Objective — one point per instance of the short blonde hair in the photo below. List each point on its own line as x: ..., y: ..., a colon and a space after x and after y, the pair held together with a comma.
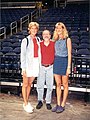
x: 33, y: 24
x: 65, y: 32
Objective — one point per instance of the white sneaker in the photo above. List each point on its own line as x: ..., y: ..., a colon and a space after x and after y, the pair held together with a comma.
x: 27, y: 108
x: 30, y: 106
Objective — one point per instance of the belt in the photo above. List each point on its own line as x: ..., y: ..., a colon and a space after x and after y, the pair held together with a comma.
x: 46, y: 65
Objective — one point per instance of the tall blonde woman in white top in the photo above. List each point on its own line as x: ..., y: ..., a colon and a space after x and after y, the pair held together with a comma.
x: 30, y: 59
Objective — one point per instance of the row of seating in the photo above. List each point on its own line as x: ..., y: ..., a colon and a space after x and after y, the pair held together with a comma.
x: 73, y: 16
x: 13, y: 14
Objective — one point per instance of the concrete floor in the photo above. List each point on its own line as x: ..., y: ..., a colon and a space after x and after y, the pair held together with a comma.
x: 11, y: 109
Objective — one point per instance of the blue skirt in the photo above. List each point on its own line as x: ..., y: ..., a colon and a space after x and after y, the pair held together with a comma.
x: 60, y: 65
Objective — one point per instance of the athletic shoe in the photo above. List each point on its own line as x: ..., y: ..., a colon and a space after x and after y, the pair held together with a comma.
x: 30, y: 106
x: 60, y: 109
x: 55, y: 108
x: 27, y: 108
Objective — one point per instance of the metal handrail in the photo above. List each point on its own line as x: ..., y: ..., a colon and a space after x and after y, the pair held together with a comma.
x: 18, y: 4
x: 33, y: 14
x: 24, y: 20
x: 13, y: 26
x: 3, y: 32
x: 15, y: 74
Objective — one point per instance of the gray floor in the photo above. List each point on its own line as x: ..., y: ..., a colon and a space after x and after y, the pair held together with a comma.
x: 11, y: 109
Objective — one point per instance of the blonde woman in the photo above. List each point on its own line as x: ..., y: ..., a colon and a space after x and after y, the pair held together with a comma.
x: 30, y: 57
x: 62, y: 64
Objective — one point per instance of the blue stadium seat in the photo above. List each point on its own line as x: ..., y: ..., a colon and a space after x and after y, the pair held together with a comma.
x: 74, y: 46
x: 6, y: 44
x: 74, y: 52
x: 86, y: 41
x: 83, y: 52
x: 76, y: 41
x: 84, y: 46
x: 6, y: 49
x: 17, y: 50
x: 16, y: 44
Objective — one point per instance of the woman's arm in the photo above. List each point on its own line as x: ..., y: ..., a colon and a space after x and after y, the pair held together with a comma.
x: 69, y: 48
x: 23, y: 54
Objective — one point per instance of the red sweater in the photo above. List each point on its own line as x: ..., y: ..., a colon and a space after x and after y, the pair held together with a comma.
x: 47, y: 53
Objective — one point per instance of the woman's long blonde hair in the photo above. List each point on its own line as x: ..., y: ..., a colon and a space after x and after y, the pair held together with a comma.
x: 65, y: 32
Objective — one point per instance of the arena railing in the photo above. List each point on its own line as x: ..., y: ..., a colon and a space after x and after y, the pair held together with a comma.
x: 28, y: 18
x: 10, y: 72
x: 18, y: 4
x: 24, y: 20
x: 13, y: 26
x: 80, y: 75
x: 2, y: 33
x: 34, y: 15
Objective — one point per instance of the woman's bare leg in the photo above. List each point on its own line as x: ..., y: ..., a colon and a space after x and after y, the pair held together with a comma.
x: 30, y: 81
x: 65, y: 93
x: 24, y: 89
x: 58, y: 88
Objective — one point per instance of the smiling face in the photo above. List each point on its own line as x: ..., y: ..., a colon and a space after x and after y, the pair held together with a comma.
x: 33, y: 30
x: 46, y: 35
x: 59, y: 30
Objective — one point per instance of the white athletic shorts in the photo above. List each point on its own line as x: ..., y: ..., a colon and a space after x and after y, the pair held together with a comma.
x: 34, y: 70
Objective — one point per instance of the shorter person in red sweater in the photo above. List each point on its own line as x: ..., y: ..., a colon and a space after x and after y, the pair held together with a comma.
x: 46, y: 70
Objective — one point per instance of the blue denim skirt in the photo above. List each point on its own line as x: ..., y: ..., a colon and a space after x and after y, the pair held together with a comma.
x: 60, y: 65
